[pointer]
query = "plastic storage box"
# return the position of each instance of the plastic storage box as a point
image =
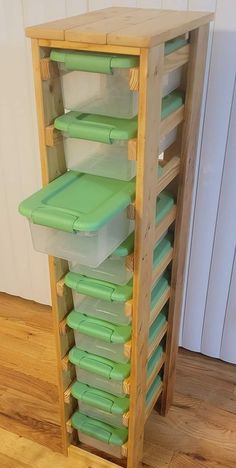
(100, 435)
(100, 337)
(80, 217)
(99, 83)
(114, 269)
(101, 405)
(153, 390)
(98, 144)
(99, 372)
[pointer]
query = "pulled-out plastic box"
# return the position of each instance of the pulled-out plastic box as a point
(80, 217)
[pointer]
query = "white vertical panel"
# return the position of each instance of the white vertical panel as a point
(76, 7)
(223, 250)
(124, 3)
(175, 4)
(228, 345)
(98, 4)
(220, 88)
(36, 12)
(149, 3)
(202, 5)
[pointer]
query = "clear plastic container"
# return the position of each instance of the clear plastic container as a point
(113, 351)
(97, 381)
(113, 269)
(88, 248)
(101, 93)
(97, 413)
(113, 312)
(106, 93)
(111, 449)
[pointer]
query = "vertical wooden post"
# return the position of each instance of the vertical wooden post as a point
(49, 104)
(149, 116)
(193, 100)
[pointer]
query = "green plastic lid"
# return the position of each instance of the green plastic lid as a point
(161, 249)
(98, 288)
(92, 62)
(157, 325)
(99, 365)
(100, 399)
(158, 290)
(153, 389)
(78, 202)
(106, 129)
(155, 357)
(97, 328)
(99, 430)
(175, 44)
(95, 127)
(164, 203)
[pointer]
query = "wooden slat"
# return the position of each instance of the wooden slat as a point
(157, 340)
(162, 227)
(198, 41)
(159, 306)
(52, 136)
(161, 267)
(134, 79)
(159, 29)
(126, 386)
(98, 31)
(86, 46)
(156, 371)
(132, 149)
(176, 59)
(129, 308)
(170, 171)
(153, 402)
(170, 122)
(49, 69)
(151, 63)
(56, 29)
(49, 104)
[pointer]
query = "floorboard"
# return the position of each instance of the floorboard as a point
(199, 431)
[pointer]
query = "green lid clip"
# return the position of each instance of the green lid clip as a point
(92, 62)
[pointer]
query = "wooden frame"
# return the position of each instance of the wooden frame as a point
(178, 166)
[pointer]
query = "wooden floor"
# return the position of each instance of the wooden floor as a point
(199, 431)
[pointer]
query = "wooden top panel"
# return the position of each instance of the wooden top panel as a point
(137, 27)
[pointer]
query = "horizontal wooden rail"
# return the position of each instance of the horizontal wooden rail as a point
(170, 171)
(176, 59)
(170, 122)
(67, 394)
(152, 403)
(66, 364)
(127, 349)
(157, 340)
(164, 225)
(156, 371)
(60, 287)
(162, 266)
(159, 306)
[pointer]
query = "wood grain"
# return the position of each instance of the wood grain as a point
(29, 399)
(195, 79)
(121, 26)
(198, 432)
(151, 63)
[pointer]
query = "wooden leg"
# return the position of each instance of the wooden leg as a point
(195, 80)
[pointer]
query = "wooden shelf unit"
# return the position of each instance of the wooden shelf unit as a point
(143, 33)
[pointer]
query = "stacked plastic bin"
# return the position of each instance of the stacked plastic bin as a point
(82, 217)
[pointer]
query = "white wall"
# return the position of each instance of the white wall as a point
(209, 310)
